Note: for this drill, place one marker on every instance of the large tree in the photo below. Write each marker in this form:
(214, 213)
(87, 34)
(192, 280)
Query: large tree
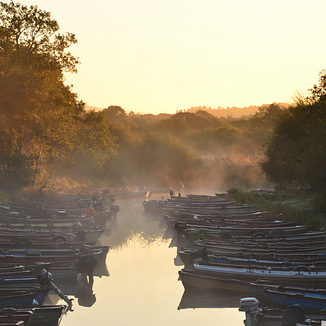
(40, 115)
(296, 152)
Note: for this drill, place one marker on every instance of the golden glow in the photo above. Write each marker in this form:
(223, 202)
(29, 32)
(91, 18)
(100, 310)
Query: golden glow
(142, 289)
(163, 55)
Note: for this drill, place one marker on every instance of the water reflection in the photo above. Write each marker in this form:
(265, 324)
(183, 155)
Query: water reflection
(85, 295)
(204, 299)
(143, 286)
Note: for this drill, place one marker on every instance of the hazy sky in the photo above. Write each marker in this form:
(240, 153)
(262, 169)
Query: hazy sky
(166, 55)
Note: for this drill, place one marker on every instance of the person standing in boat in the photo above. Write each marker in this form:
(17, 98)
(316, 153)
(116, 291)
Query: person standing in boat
(171, 192)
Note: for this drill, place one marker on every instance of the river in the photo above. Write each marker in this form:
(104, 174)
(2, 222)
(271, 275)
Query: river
(143, 286)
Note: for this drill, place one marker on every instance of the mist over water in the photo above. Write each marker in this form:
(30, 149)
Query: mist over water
(143, 286)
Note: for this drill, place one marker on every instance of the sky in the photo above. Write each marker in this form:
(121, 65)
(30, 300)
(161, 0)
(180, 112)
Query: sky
(155, 56)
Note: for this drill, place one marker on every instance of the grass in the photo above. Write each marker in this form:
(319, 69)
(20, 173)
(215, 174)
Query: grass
(299, 207)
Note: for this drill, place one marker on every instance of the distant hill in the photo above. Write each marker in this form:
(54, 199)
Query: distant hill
(233, 112)
(229, 112)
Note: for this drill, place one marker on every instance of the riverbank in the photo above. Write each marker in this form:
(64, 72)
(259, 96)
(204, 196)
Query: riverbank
(290, 205)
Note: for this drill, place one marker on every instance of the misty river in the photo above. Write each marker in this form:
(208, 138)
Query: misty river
(143, 287)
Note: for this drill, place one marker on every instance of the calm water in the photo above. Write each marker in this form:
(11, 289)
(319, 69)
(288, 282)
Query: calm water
(143, 287)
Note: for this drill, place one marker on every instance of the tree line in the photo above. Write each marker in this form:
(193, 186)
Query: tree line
(46, 133)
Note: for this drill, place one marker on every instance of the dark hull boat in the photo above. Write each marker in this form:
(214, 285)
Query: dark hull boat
(18, 299)
(252, 274)
(191, 256)
(39, 294)
(194, 281)
(305, 298)
(40, 316)
(13, 317)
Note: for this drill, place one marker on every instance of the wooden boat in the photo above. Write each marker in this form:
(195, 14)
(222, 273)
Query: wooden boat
(30, 256)
(193, 280)
(40, 293)
(190, 256)
(263, 250)
(305, 298)
(77, 234)
(305, 236)
(40, 222)
(252, 274)
(308, 297)
(41, 315)
(13, 316)
(18, 299)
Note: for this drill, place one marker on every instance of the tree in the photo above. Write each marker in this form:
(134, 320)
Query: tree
(318, 92)
(40, 116)
(296, 152)
(114, 113)
(267, 115)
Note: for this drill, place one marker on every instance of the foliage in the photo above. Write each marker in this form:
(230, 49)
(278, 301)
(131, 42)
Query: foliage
(155, 161)
(196, 148)
(4, 197)
(42, 121)
(15, 170)
(267, 115)
(296, 152)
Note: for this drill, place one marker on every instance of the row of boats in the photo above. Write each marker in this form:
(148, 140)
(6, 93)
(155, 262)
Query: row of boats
(49, 244)
(227, 247)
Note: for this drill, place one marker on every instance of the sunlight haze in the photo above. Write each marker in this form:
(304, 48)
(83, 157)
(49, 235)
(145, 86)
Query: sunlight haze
(162, 56)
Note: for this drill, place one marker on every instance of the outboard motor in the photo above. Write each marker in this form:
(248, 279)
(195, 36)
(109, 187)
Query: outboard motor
(46, 280)
(250, 307)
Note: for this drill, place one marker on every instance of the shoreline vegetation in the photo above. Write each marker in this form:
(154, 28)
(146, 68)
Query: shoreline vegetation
(293, 205)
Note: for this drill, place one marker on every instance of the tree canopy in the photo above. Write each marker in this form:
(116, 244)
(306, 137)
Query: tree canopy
(296, 151)
(41, 118)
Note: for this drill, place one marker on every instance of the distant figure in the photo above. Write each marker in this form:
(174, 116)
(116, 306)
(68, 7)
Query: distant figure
(171, 193)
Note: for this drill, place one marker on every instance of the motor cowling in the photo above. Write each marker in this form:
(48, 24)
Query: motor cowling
(248, 304)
